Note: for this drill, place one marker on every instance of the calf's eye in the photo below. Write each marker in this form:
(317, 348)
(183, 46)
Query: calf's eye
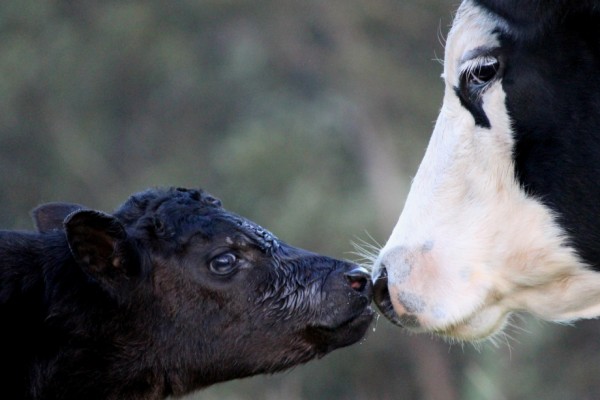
(223, 264)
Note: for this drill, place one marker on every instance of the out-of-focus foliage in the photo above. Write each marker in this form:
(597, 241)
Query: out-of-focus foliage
(307, 116)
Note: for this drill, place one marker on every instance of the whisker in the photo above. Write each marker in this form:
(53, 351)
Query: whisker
(365, 251)
(442, 40)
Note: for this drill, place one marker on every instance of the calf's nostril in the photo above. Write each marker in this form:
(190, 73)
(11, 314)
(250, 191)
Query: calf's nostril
(358, 279)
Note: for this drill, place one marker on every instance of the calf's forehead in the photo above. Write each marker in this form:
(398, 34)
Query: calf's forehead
(170, 203)
(190, 211)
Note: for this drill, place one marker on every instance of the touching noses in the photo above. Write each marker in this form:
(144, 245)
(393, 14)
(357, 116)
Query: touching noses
(381, 292)
(394, 268)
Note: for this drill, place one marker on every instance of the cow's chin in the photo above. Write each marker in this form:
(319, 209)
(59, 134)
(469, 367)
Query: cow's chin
(476, 324)
(481, 325)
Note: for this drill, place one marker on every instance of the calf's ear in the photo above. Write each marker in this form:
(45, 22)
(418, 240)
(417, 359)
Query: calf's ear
(100, 246)
(50, 216)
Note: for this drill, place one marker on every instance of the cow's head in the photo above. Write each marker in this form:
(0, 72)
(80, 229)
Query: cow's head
(504, 211)
(208, 294)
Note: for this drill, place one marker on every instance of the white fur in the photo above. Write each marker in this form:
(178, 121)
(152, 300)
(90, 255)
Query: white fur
(470, 246)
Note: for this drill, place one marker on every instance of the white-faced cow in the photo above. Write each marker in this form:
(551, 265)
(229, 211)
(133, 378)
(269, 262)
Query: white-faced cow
(504, 212)
(169, 294)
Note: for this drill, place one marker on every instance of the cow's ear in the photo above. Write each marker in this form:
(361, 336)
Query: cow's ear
(50, 216)
(100, 246)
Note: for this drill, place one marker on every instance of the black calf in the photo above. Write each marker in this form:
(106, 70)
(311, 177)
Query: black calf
(170, 294)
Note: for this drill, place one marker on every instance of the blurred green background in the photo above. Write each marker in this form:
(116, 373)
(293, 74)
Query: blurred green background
(309, 117)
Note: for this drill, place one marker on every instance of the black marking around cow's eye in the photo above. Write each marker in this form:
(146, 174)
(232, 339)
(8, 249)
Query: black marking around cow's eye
(478, 73)
(475, 107)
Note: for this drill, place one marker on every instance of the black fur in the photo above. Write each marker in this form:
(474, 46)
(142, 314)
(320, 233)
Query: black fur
(142, 304)
(474, 106)
(532, 18)
(551, 52)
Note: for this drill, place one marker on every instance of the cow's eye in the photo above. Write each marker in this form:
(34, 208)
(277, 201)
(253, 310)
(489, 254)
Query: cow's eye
(478, 73)
(223, 264)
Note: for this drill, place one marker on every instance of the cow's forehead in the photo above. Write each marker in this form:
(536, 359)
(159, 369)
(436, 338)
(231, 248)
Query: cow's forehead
(473, 28)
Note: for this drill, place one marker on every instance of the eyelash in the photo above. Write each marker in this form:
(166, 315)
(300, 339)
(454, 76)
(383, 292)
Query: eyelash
(478, 73)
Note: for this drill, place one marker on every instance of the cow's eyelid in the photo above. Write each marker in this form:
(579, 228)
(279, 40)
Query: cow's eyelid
(477, 74)
(471, 65)
(479, 53)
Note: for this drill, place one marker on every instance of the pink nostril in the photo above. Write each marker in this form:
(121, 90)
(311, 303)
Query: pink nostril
(358, 279)
(358, 285)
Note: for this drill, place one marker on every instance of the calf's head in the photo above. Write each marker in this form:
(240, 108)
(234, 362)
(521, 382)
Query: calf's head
(211, 295)
(503, 214)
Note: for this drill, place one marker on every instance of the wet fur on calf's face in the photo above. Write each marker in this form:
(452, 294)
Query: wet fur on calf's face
(507, 192)
(170, 294)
